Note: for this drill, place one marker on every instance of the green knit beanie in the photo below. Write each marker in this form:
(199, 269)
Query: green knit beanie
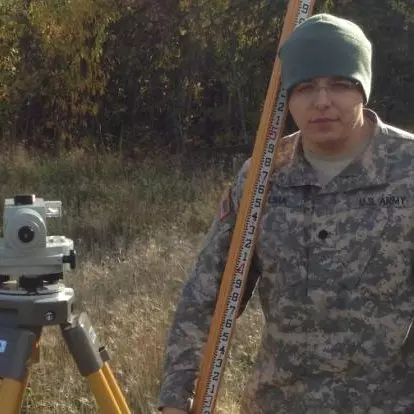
(325, 45)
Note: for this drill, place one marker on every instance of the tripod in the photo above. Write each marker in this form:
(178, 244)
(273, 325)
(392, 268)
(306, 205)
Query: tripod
(25, 308)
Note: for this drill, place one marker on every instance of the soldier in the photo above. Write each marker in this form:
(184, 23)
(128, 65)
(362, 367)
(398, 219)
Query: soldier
(334, 256)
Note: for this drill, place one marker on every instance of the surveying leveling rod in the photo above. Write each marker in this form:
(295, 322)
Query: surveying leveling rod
(245, 233)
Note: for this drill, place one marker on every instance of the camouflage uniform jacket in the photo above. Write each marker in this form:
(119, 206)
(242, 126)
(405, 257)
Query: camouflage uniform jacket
(335, 287)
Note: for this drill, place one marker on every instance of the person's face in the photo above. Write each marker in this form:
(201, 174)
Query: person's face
(327, 110)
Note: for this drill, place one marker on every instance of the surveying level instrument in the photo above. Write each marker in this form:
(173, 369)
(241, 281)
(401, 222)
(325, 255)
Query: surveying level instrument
(33, 295)
(245, 232)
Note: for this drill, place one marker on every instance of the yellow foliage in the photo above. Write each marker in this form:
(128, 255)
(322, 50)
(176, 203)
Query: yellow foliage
(67, 37)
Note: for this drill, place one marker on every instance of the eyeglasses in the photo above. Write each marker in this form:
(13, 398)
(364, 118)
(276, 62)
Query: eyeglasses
(333, 88)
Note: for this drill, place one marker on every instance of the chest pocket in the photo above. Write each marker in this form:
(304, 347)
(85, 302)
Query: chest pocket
(343, 244)
(360, 233)
(329, 241)
(281, 242)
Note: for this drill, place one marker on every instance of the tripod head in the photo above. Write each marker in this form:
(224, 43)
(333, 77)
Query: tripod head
(30, 259)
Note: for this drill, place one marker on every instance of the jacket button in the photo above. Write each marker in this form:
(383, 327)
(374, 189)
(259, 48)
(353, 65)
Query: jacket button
(323, 234)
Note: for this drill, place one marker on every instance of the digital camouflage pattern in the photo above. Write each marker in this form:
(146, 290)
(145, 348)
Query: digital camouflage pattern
(336, 287)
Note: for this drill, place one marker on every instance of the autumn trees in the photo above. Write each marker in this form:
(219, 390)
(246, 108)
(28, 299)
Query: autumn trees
(172, 74)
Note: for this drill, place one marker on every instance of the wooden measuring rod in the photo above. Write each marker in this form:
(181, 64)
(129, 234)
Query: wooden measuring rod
(245, 233)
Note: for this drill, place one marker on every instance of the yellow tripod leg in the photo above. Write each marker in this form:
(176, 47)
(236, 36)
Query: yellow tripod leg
(115, 389)
(91, 359)
(22, 390)
(103, 394)
(12, 390)
(35, 358)
(11, 393)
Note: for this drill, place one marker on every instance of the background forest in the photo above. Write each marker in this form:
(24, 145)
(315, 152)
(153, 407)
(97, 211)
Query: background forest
(133, 75)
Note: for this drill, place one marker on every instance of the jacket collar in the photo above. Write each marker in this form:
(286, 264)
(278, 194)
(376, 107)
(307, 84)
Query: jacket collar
(368, 170)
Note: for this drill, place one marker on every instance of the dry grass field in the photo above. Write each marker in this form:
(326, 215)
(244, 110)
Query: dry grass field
(137, 226)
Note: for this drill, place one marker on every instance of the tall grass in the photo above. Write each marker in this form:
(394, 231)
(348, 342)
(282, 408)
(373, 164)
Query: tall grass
(137, 226)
